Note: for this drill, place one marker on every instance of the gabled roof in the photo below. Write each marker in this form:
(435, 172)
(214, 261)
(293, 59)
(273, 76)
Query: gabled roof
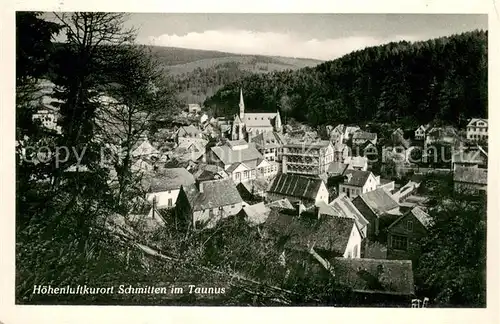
(305, 144)
(424, 127)
(471, 175)
(473, 121)
(379, 201)
(259, 119)
(356, 177)
(397, 139)
(393, 277)
(229, 156)
(344, 207)
(144, 148)
(302, 233)
(268, 140)
(235, 166)
(189, 130)
(216, 193)
(296, 186)
(169, 179)
(424, 218)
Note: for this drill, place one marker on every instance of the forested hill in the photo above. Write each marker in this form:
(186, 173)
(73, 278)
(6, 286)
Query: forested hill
(442, 79)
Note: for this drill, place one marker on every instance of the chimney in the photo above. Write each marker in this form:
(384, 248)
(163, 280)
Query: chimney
(348, 177)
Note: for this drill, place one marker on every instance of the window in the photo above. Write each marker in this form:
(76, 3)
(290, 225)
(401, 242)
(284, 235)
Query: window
(169, 202)
(232, 206)
(409, 226)
(355, 251)
(170, 191)
(399, 242)
(245, 174)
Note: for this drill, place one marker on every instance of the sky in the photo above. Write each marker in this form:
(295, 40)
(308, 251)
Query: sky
(318, 36)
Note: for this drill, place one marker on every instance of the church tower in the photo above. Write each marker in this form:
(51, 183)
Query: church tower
(242, 106)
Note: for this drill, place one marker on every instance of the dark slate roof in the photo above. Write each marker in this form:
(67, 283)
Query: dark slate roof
(379, 201)
(216, 193)
(169, 179)
(295, 186)
(337, 168)
(304, 232)
(189, 130)
(358, 178)
(471, 175)
(394, 277)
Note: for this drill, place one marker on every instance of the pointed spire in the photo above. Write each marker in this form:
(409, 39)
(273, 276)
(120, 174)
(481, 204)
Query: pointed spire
(242, 105)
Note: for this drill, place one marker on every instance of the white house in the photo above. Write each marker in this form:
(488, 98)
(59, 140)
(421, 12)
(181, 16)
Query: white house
(165, 187)
(421, 132)
(477, 129)
(145, 149)
(359, 163)
(358, 182)
(349, 131)
(361, 137)
(194, 108)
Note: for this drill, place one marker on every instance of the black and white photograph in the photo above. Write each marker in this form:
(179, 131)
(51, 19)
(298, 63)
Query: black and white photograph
(251, 159)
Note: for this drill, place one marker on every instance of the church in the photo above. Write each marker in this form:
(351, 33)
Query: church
(248, 125)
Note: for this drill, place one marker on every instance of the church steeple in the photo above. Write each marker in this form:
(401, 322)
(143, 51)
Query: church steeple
(242, 106)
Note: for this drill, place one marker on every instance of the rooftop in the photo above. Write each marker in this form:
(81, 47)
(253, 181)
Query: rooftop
(216, 193)
(169, 179)
(356, 178)
(379, 201)
(471, 175)
(295, 186)
(229, 156)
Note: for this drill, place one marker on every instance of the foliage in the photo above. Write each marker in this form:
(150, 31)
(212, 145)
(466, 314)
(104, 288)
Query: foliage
(413, 83)
(452, 267)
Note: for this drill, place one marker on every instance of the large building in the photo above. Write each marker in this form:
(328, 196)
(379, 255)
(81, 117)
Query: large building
(307, 157)
(241, 161)
(477, 129)
(248, 125)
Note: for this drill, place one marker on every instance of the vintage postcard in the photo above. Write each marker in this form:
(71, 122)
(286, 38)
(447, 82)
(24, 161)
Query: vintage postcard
(251, 159)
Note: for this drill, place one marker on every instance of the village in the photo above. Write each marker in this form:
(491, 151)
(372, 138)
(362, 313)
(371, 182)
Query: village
(347, 196)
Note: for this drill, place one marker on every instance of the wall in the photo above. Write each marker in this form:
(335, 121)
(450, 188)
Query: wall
(353, 248)
(369, 215)
(322, 194)
(163, 196)
(401, 229)
(351, 191)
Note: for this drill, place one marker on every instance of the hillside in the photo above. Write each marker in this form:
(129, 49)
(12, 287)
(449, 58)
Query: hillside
(411, 83)
(198, 74)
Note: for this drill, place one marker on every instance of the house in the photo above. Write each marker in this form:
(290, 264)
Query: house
(336, 169)
(356, 163)
(253, 190)
(206, 202)
(270, 145)
(442, 135)
(404, 234)
(421, 132)
(194, 108)
(189, 131)
(349, 131)
(370, 151)
(255, 214)
(342, 206)
(357, 182)
(165, 187)
(397, 144)
(335, 134)
(470, 157)
(386, 184)
(477, 129)
(375, 281)
(378, 208)
(203, 119)
(144, 149)
(241, 161)
(470, 179)
(297, 188)
(361, 137)
(302, 230)
(205, 172)
(307, 157)
(141, 166)
(252, 124)
(189, 149)
(340, 151)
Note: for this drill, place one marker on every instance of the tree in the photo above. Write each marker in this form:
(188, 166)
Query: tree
(452, 267)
